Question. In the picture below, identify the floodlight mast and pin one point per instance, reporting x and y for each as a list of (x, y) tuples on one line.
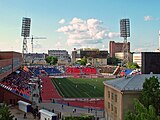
[(26, 22), (125, 32)]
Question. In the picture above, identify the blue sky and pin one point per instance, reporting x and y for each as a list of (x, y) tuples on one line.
[(79, 23)]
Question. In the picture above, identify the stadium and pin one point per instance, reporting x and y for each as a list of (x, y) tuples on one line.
[(68, 85), (80, 87), (77, 86)]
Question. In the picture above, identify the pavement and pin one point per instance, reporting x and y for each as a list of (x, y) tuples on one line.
[(20, 114), (68, 110), (65, 111)]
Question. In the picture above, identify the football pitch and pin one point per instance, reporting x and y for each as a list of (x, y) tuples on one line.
[(80, 87)]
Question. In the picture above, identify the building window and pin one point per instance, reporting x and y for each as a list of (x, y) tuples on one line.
[(115, 110), (112, 96), (111, 107), (108, 105), (108, 94), (115, 98)]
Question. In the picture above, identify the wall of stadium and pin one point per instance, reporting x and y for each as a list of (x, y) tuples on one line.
[(10, 97), (9, 62)]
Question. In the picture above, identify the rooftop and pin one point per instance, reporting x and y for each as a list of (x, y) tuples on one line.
[(130, 83)]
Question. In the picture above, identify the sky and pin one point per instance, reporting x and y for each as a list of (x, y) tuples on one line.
[(69, 24)]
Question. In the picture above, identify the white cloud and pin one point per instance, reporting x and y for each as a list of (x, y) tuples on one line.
[(37, 46), (139, 50), (62, 21), (86, 32), (145, 49), (76, 20), (148, 18), (83, 32), (113, 35)]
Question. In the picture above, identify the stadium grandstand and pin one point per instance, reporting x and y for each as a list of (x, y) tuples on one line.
[(17, 82), (54, 70), (13, 79)]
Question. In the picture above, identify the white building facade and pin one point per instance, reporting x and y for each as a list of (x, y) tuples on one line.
[(62, 56), (137, 58)]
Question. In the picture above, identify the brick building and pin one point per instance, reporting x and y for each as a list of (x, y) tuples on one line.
[(115, 47)]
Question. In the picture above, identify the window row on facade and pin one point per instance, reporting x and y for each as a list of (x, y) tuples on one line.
[(112, 96), (112, 108)]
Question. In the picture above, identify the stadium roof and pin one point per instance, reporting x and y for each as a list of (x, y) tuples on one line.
[(130, 83)]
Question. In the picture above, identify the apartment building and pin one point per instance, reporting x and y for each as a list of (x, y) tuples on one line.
[(62, 55), (119, 95)]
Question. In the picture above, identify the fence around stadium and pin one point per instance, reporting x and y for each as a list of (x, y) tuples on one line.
[(84, 76)]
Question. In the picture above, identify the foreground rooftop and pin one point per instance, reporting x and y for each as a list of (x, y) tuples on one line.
[(130, 83)]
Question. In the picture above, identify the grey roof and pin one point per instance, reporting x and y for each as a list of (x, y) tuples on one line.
[(130, 82)]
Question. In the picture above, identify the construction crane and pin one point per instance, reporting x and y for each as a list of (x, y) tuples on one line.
[(35, 38)]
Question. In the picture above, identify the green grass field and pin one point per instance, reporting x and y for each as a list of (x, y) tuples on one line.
[(80, 87)]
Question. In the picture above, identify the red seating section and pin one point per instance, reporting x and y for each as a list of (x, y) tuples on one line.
[(89, 70), (73, 70), (81, 70)]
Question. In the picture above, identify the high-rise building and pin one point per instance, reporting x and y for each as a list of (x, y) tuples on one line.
[(115, 47), (150, 62)]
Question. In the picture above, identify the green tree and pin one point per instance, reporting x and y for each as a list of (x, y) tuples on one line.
[(5, 114), (82, 61), (131, 65), (112, 61), (149, 106), (142, 112), (51, 60), (151, 93)]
